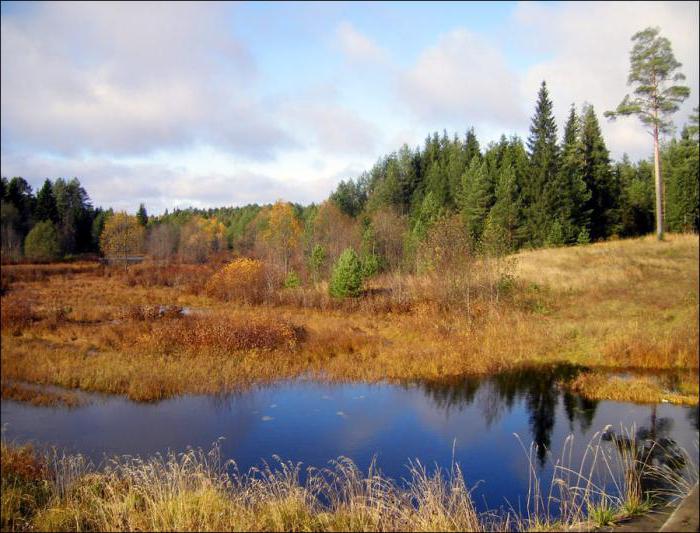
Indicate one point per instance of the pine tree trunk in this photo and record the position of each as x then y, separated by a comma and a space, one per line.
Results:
659, 188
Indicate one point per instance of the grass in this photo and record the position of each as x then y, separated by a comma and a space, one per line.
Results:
630, 304
636, 388
36, 396
198, 491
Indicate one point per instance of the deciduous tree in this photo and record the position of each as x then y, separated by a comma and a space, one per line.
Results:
122, 237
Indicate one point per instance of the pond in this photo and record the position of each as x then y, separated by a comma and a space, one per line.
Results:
475, 422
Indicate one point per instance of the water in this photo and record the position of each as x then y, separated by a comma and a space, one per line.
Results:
474, 421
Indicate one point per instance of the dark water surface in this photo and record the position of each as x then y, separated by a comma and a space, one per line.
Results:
315, 422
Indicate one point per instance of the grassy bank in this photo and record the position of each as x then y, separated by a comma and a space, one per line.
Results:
196, 491
622, 304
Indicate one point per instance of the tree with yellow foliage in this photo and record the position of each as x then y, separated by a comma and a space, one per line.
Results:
282, 233
121, 237
200, 237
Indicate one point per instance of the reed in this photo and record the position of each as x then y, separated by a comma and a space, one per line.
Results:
198, 491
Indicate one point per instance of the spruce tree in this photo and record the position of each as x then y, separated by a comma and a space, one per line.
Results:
477, 197
409, 168
598, 178
680, 159
573, 194
142, 215
471, 146
46, 204
454, 168
538, 187
505, 215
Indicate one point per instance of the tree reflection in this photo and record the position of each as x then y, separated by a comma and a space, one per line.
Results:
656, 458
537, 386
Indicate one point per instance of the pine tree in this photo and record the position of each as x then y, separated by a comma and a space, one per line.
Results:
430, 210
346, 279
598, 178
437, 183
317, 261
652, 66
543, 152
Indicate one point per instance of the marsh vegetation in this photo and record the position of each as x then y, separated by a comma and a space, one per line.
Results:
621, 304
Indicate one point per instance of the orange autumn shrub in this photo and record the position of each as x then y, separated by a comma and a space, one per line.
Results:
225, 334
240, 280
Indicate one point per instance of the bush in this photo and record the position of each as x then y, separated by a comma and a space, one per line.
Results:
583, 237
346, 279
317, 261
241, 279
292, 281
226, 334
370, 266
41, 243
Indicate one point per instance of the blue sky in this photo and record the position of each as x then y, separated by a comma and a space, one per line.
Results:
205, 104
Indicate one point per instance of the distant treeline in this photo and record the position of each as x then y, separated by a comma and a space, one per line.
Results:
63, 203
546, 191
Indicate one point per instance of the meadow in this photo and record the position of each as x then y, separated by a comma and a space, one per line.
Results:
158, 330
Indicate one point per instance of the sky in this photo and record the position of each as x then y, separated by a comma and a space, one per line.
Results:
218, 104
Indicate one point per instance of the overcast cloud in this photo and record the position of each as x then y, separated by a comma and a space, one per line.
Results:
176, 104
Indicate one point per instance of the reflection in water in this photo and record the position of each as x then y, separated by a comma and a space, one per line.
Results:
656, 458
694, 416
539, 387
468, 421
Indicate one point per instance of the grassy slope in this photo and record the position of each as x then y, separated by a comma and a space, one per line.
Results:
626, 304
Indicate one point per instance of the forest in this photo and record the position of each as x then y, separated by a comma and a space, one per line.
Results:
509, 195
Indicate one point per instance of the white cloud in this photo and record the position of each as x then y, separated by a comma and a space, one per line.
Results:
357, 46
130, 78
200, 177
587, 47
462, 78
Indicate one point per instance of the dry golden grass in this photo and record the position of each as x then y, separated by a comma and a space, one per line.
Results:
197, 491
35, 396
599, 385
619, 304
